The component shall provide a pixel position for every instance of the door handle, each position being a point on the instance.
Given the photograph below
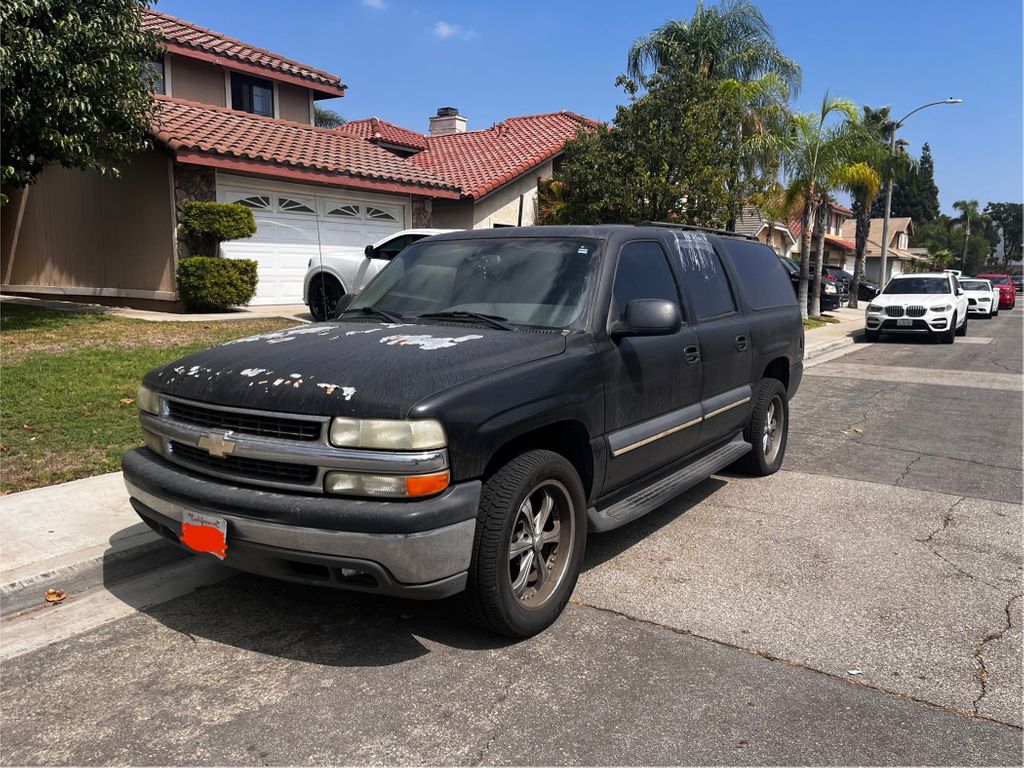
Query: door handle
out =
(691, 354)
(741, 343)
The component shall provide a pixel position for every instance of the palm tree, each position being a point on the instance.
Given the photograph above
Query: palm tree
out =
(863, 183)
(969, 211)
(731, 44)
(814, 155)
(731, 41)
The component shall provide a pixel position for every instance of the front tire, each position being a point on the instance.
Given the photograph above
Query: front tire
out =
(324, 295)
(949, 335)
(767, 430)
(530, 538)
(962, 330)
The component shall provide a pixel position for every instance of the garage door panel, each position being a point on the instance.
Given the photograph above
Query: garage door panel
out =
(294, 227)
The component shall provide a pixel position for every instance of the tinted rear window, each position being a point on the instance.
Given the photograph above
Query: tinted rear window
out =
(764, 279)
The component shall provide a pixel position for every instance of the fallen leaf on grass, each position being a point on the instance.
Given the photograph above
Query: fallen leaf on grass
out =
(5, 448)
(55, 595)
(127, 400)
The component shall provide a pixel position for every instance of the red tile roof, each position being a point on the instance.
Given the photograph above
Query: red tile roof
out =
(841, 209)
(481, 161)
(187, 39)
(226, 138)
(377, 130)
(846, 245)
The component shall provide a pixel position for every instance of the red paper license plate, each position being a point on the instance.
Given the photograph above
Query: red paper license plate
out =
(205, 533)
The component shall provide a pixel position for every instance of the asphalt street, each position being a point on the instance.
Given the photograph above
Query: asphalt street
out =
(862, 606)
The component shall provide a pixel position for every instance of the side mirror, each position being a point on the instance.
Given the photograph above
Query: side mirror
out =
(343, 303)
(649, 317)
(368, 251)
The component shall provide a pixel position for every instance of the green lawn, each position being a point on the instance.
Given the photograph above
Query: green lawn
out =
(819, 321)
(68, 381)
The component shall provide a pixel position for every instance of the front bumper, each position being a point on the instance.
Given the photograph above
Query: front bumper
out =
(419, 549)
(979, 308)
(1007, 299)
(930, 324)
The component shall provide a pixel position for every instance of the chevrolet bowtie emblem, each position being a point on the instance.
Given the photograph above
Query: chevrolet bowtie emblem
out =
(217, 443)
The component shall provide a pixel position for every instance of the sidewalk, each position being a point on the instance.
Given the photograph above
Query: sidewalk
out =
(297, 312)
(829, 338)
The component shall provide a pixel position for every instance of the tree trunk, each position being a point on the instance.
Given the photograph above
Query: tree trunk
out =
(805, 254)
(863, 227)
(820, 222)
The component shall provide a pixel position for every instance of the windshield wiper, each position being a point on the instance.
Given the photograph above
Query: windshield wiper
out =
(391, 318)
(495, 321)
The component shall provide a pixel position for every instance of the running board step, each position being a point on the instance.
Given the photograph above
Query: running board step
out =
(653, 496)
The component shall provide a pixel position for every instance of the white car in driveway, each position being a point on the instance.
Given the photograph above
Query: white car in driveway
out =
(926, 303)
(982, 296)
(331, 277)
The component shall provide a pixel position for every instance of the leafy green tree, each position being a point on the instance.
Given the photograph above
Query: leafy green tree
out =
(814, 151)
(949, 244)
(76, 84)
(1007, 219)
(914, 192)
(731, 44)
(667, 157)
(326, 118)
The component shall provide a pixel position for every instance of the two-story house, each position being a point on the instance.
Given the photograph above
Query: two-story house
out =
(234, 123)
(899, 258)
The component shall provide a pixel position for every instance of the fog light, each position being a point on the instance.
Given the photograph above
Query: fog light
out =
(388, 486)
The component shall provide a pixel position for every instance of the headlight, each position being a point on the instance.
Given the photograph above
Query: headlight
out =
(830, 289)
(387, 434)
(389, 486)
(148, 400)
(875, 309)
(943, 308)
(985, 299)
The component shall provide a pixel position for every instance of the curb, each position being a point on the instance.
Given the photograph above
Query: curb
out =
(830, 346)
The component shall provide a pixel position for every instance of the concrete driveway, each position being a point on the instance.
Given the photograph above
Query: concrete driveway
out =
(863, 606)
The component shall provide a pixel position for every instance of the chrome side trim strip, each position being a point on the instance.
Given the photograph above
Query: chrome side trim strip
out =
(652, 438)
(728, 407)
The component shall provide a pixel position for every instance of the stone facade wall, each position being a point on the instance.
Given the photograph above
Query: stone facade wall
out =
(191, 182)
(422, 212)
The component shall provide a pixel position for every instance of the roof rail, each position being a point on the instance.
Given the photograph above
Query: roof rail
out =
(695, 228)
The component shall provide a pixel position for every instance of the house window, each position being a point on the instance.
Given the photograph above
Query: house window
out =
(287, 204)
(903, 241)
(252, 94)
(158, 82)
(345, 211)
(377, 213)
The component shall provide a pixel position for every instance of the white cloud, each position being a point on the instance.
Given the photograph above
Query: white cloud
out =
(446, 31)
(377, 5)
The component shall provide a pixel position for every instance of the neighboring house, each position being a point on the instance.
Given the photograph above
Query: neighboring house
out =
(496, 169)
(899, 258)
(234, 124)
(839, 250)
(775, 234)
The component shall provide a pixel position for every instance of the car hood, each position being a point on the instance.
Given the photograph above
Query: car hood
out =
(348, 368)
(915, 299)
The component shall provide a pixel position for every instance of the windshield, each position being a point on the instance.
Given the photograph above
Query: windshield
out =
(539, 282)
(999, 280)
(975, 285)
(929, 285)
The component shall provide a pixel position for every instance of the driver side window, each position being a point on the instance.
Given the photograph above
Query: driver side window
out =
(642, 273)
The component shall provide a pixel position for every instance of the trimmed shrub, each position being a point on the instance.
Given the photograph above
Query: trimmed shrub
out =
(207, 225)
(208, 284)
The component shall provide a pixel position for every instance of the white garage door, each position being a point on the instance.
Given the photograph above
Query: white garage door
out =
(293, 227)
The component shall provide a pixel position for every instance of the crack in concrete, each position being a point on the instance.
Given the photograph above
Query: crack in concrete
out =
(492, 717)
(929, 541)
(947, 520)
(906, 469)
(796, 664)
(979, 653)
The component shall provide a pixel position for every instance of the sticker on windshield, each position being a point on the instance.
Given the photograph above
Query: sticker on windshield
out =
(427, 342)
(583, 249)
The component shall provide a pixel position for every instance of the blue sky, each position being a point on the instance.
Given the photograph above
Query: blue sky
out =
(402, 59)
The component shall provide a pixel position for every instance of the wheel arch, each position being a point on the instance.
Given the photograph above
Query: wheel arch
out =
(568, 438)
(778, 369)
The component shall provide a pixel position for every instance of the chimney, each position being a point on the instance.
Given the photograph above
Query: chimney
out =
(448, 120)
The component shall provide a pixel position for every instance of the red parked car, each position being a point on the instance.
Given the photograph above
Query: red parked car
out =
(1007, 293)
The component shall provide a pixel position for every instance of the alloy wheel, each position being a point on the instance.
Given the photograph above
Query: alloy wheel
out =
(540, 545)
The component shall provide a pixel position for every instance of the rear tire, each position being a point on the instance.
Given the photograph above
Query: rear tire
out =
(767, 430)
(324, 295)
(531, 534)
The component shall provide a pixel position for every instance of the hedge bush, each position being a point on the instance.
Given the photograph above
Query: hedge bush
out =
(207, 225)
(210, 284)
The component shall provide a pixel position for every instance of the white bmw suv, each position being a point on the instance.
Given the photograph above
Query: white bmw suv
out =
(330, 278)
(928, 303)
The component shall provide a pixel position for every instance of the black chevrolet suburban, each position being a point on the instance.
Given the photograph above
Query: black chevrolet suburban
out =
(489, 399)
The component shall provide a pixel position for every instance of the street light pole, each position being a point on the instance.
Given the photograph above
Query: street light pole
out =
(893, 127)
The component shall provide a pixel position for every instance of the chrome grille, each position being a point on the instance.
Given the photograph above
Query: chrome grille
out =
(244, 468)
(247, 422)
(894, 311)
(915, 311)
